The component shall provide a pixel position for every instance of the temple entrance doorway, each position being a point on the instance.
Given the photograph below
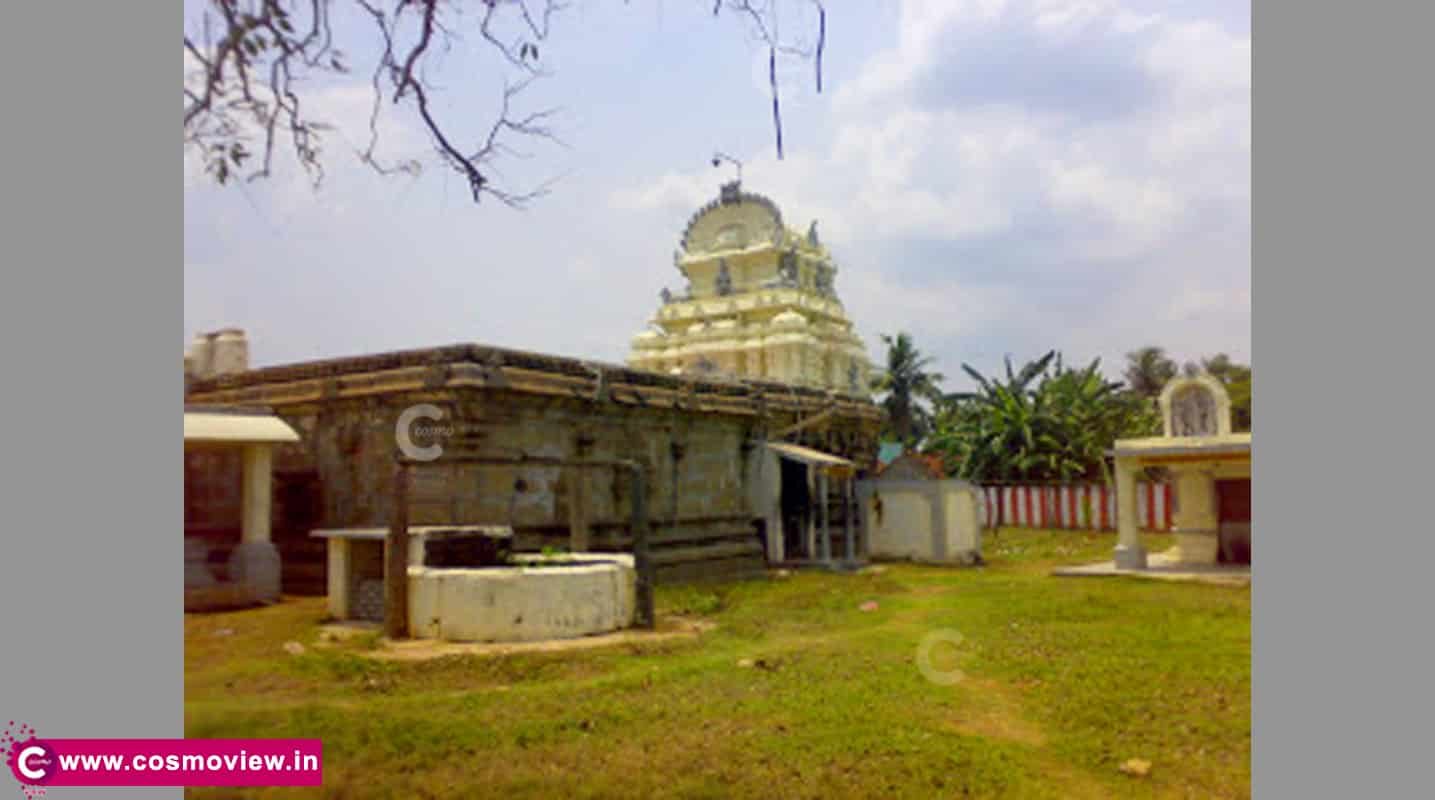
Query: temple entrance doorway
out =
(796, 503)
(1233, 502)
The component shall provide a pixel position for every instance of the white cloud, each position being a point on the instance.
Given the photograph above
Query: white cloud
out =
(671, 191)
(1194, 301)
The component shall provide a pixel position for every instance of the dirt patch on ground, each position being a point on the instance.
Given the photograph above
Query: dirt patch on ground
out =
(996, 715)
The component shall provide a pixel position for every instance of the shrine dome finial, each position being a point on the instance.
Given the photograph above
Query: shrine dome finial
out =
(734, 217)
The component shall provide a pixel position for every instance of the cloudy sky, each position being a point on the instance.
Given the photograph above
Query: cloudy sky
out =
(994, 177)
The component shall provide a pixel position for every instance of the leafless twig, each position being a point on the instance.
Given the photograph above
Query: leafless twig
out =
(248, 63)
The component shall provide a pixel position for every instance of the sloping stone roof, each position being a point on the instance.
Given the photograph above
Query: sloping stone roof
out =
(483, 366)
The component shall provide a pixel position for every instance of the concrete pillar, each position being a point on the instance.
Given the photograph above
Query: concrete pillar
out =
(255, 561)
(340, 579)
(1194, 517)
(258, 492)
(1129, 553)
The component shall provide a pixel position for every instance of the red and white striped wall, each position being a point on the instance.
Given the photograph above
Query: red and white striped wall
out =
(1085, 507)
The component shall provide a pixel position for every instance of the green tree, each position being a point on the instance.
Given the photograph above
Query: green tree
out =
(1147, 371)
(1045, 422)
(908, 387)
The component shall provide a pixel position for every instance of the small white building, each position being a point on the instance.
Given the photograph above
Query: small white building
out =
(1211, 471)
(935, 521)
(804, 498)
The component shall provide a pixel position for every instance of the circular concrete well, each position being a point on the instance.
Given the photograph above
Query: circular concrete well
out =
(541, 598)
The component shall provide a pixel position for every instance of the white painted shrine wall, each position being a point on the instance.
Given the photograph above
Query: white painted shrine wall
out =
(934, 521)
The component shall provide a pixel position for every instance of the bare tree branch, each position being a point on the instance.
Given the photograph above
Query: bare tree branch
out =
(764, 20)
(247, 63)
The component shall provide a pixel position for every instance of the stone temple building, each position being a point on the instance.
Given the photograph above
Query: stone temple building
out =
(731, 463)
(760, 302)
(746, 408)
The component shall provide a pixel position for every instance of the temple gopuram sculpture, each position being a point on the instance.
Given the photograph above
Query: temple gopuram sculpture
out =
(762, 303)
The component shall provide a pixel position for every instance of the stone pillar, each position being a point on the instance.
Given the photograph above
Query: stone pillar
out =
(580, 534)
(255, 561)
(1129, 553)
(810, 515)
(1194, 519)
(766, 491)
(580, 531)
(850, 550)
(822, 510)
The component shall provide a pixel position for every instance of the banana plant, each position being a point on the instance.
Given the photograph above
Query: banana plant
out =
(1044, 422)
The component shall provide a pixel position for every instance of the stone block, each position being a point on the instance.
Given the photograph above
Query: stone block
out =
(1130, 557)
(257, 566)
(196, 564)
(1197, 548)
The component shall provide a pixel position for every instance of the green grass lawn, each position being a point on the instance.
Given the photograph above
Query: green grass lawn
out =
(1064, 679)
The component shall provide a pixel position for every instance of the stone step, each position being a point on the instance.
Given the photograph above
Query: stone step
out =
(524, 542)
(727, 569)
(665, 539)
(716, 552)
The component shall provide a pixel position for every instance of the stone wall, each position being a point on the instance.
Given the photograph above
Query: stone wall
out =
(695, 438)
(352, 445)
(213, 500)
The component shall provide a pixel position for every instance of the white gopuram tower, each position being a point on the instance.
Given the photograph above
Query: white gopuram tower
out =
(760, 303)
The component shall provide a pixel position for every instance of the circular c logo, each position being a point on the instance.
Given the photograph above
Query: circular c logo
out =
(406, 442)
(35, 762)
(941, 677)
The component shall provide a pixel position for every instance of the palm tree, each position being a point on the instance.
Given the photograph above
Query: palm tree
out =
(907, 383)
(1148, 370)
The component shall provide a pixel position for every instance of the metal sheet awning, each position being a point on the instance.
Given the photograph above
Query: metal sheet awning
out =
(806, 455)
(236, 428)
